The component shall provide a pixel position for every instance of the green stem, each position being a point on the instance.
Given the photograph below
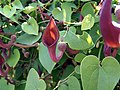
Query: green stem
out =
(62, 81)
(5, 37)
(100, 50)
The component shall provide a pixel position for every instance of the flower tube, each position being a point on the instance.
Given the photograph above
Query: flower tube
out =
(110, 30)
(50, 38)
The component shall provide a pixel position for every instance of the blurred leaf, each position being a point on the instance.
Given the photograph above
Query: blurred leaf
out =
(84, 0)
(28, 39)
(14, 58)
(63, 14)
(5, 86)
(29, 9)
(79, 42)
(8, 11)
(87, 22)
(77, 69)
(71, 84)
(95, 33)
(17, 4)
(63, 87)
(79, 57)
(33, 81)
(98, 75)
(30, 27)
(45, 59)
(68, 70)
(87, 9)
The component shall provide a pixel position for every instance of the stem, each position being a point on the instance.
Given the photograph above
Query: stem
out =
(62, 81)
(100, 50)
(5, 37)
(25, 46)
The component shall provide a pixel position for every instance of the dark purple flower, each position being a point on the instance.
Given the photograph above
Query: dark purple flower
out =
(50, 38)
(110, 30)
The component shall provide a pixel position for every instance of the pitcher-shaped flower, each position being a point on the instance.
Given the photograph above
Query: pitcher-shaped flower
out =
(110, 29)
(50, 38)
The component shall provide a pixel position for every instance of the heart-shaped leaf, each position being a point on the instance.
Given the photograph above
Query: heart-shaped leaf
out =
(30, 27)
(45, 59)
(28, 39)
(79, 42)
(17, 4)
(72, 84)
(8, 11)
(14, 58)
(33, 81)
(5, 86)
(87, 22)
(98, 75)
(63, 14)
(87, 8)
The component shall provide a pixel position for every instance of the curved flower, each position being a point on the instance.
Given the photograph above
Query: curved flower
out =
(110, 30)
(50, 38)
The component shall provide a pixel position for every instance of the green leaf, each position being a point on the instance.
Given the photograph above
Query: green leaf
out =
(63, 87)
(79, 57)
(30, 27)
(84, 0)
(98, 75)
(29, 9)
(64, 14)
(87, 9)
(5, 86)
(95, 33)
(79, 42)
(87, 22)
(57, 13)
(71, 84)
(17, 4)
(28, 39)
(45, 59)
(77, 69)
(14, 58)
(33, 81)
(8, 11)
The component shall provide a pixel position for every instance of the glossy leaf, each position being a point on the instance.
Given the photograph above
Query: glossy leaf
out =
(5, 86)
(45, 59)
(98, 75)
(28, 39)
(14, 58)
(30, 27)
(33, 81)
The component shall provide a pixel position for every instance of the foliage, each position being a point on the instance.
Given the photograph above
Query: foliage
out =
(25, 62)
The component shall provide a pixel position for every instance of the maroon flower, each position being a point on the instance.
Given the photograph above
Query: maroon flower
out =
(110, 30)
(50, 38)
